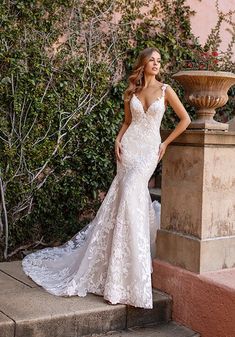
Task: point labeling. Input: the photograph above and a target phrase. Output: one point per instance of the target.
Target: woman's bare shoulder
(168, 89)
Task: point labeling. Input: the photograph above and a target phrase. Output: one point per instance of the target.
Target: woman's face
(153, 65)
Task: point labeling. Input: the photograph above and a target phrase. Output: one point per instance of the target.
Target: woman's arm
(175, 103)
(125, 125)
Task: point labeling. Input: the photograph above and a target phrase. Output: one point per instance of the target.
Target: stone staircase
(27, 310)
(155, 193)
(170, 329)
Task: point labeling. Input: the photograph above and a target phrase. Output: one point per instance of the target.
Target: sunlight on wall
(206, 17)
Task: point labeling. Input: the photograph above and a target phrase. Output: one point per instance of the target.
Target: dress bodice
(153, 114)
(145, 125)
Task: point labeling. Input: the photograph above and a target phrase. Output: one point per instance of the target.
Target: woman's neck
(149, 81)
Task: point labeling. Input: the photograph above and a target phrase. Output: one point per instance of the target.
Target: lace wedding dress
(112, 255)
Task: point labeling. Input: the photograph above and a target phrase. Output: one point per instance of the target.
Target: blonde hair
(136, 79)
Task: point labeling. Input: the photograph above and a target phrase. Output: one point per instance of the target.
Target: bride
(112, 255)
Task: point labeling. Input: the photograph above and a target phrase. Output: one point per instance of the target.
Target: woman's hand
(118, 150)
(162, 150)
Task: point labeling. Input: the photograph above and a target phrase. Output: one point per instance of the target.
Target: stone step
(155, 194)
(27, 310)
(170, 329)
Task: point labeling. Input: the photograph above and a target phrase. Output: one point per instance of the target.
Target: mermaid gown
(112, 255)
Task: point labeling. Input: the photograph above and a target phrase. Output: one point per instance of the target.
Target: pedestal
(198, 201)
(231, 124)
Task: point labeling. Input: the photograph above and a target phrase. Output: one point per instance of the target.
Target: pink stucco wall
(206, 17)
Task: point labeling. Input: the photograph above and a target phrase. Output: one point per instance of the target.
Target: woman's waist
(149, 139)
(150, 133)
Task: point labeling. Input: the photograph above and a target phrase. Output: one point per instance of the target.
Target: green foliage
(63, 71)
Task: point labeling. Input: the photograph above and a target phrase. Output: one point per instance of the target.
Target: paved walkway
(27, 310)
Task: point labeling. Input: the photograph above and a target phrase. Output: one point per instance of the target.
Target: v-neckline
(154, 101)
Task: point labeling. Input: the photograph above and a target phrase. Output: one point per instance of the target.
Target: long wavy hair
(136, 79)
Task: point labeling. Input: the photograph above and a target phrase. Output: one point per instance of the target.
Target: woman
(111, 256)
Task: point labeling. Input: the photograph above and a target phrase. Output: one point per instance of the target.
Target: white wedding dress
(112, 255)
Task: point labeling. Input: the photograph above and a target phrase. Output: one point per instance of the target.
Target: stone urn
(206, 90)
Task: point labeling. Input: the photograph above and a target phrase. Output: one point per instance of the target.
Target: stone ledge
(30, 311)
(7, 326)
(155, 194)
(170, 329)
(14, 270)
(195, 254)
(201, 138)
(204, 302)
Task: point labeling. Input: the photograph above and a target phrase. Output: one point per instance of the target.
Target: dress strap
(164, 89)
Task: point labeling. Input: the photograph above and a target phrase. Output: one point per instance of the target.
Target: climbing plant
(63, 71)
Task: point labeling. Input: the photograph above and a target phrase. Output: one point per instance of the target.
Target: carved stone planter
(206, 91)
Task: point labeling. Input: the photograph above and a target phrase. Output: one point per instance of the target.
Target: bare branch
(23, 247)
(5, 215)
